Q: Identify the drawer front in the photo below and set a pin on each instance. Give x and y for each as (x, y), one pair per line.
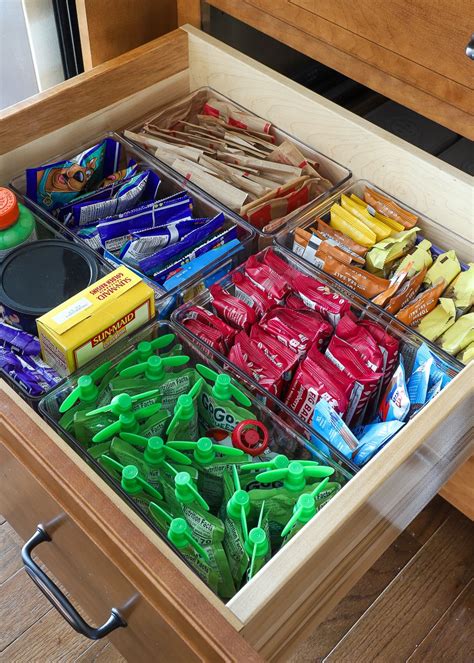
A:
(102, 553)
(88, 576)
(372, 42)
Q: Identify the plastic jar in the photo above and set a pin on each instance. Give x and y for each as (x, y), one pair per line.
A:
(17, 223)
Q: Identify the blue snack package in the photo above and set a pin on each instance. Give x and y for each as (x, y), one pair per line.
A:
(214, 242)
(419, 379)
(331, 427)
(116, 230)
(53, 185)
(201, 262)
(395, 402)
(151, 264)
(374, 437)
(125, 198)
(148, 242)
(90, 235)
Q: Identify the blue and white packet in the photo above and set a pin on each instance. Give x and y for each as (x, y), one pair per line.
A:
(373, 437)
(395, 403)
(332, 428)
(419, 379)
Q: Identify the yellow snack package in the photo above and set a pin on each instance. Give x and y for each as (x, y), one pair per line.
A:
(391, 223)
(459, 336)
(421, 258)
(380, 229)
(461, 290)
(385, 252)
(348, 224)
(446, 265)
(439, 320)
(466, 355)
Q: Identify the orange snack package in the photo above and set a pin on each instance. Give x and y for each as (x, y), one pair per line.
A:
(324, 231)
(389, 208)
(422, 304)
(406, 294)
(358, 279)
(326, 248)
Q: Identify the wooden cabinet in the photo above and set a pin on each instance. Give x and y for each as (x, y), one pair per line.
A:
(412, 52)
(101, 550)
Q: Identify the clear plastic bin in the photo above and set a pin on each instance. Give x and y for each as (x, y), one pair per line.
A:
(431, 230)
(46, 230)
(286, 436)
(408, 339)
(329, 168)
(170, 184)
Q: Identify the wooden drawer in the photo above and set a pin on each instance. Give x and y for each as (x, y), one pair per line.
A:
(412, 52)
(101, 550)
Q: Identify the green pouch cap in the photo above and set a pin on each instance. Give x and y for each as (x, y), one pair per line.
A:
(128, 420)
(144, 350)
(305, 508)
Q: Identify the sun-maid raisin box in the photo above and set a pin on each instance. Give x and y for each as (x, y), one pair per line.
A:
(82, 327)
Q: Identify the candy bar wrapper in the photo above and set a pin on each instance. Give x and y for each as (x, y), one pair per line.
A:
(280, 355)
(326, 248)
(389, 208)
(358, 279)
(8, 359)
(297, 330)
(446, 266)
(226, 238)
(459, 336)
(372, 438)
(249, 293)
(420, 259)
(149, 242)
(318, 297)
(406, 293)
(207, 318)
(54, 185)
(325, 231)
(439, 320)
(164, 256)
(143, 186)
(316, 379)
(389, 347)
(466, 355)
(253, 361)
(422, 304)
(18, 340)
(332, 428)
(232, 309)
(461, 290)
(279, 266)
(360, 339)
(263, 277)
(395, 402)
(382, 255)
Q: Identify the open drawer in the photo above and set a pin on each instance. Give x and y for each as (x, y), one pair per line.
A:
(101, 551)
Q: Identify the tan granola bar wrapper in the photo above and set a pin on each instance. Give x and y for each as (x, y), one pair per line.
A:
(422, 304)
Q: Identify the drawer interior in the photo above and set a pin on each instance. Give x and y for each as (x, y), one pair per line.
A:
(301, 584)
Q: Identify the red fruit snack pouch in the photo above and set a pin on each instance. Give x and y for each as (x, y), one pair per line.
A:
(209, 335)
(207, 318)
(280, 355)
(279, 265)
(232, 309)
(316, 379)
(248, 292)
(297, 330)
(296, 303)
(319, 297)
(348, 361)
(249, 358)
(361, 340)
(388, 346)
(274, 285)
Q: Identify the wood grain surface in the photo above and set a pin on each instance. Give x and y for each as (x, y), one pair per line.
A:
(376, 63)
(93, 90)
(108, 28)
(459, 490)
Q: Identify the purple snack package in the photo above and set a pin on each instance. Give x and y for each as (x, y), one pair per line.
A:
(163, 257)
(8, 359)
(218, 240)
(43, 373)
(19, 340)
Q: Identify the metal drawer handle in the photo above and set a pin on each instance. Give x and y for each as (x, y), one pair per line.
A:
(470, 48)
(56, 596)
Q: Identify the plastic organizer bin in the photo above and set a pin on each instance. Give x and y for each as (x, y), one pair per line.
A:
(285, 435)
(329, 168)
(45, 230)
(429, 229)
(170, 184)
(409, 341)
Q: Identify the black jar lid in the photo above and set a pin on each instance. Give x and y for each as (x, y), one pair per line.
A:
(38, 276)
